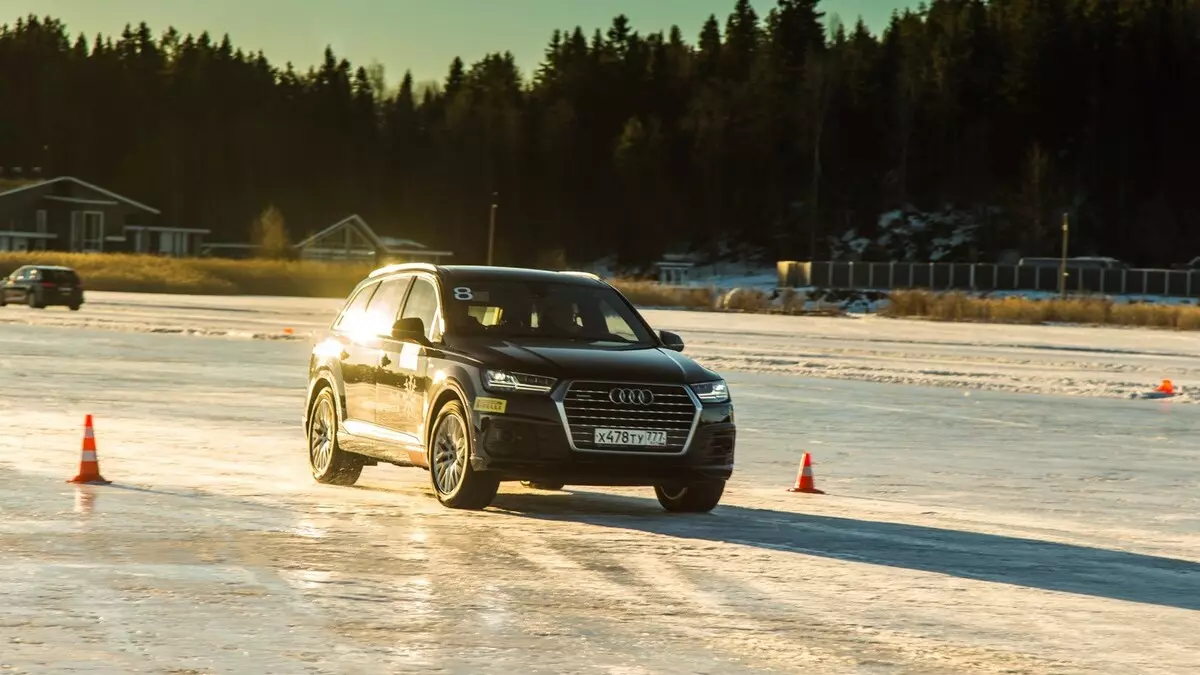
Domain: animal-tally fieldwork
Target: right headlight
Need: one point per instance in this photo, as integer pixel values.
(712, 392)
(500, 380)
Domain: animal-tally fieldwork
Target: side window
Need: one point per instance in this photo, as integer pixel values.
(354, 313)
(422, 304)
(385, 305)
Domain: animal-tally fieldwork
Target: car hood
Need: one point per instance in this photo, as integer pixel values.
(564, 360)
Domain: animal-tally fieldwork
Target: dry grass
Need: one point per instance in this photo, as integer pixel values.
(215, 276)
(1094, 311)
(653, 294)
(745, 300)
(203, 276)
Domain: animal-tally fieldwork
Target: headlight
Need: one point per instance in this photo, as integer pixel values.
(499, 380)
(712, 392)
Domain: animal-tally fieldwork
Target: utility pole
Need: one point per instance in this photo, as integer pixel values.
(1062, 270)
(492, 227)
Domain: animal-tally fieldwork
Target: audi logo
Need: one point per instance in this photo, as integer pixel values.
(631, 396)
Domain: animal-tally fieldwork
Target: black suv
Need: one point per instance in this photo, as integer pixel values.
(40, 286)
(490, 374)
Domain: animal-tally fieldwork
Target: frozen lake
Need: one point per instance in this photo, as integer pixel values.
(965, 530)
(1080, 361)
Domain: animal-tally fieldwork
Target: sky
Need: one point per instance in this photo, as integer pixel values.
(423, 36)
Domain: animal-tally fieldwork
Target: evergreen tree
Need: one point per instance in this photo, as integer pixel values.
(769, 132)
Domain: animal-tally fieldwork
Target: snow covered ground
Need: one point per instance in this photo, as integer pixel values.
(969, 528)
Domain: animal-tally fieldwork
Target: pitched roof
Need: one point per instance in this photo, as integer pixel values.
(362, 227)
(85, 184)
(385, 244)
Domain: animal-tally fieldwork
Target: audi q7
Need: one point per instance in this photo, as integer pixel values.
(487, 374)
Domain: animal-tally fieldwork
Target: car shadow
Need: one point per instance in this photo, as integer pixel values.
(1030, 563)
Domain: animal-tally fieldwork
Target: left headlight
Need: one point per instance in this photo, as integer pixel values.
(500, 380)
(712, 392)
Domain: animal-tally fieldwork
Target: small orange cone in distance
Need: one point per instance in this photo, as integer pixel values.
(1167, 387)
(804, 479)
(89, 465)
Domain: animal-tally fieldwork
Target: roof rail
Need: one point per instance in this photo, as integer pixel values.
(401, 267)
(575, 273)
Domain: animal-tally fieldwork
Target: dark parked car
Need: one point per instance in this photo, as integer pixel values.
(41, 286)
(488, 374)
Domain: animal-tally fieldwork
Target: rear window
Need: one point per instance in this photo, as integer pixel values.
(59, 276)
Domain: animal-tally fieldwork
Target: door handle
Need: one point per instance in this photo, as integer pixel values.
(384, 361)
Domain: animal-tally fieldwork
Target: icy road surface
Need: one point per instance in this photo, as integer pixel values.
(1083, 361)
(983, 533)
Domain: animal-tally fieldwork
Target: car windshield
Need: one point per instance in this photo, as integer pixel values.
(541, 310)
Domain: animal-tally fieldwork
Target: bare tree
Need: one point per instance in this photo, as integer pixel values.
(270, 234)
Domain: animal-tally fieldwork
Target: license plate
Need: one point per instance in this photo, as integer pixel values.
(629, 437)
(66, 290)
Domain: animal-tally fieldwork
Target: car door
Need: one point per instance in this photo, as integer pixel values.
(358, 362)
(404, 377)
(390, 382)
(17, 289)
(367, 337)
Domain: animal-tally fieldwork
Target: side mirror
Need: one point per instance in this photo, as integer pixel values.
(410, 330)
(670, 340)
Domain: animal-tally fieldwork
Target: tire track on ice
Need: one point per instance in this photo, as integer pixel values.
(660, 595)
(446, 599)
(767, 630)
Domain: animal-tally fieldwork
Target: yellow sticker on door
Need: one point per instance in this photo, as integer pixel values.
(491, 405)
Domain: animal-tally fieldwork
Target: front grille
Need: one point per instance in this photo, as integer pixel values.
(588, 407)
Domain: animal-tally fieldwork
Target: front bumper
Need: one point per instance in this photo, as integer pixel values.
(528, 441)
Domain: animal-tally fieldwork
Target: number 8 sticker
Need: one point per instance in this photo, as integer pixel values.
(463, 293)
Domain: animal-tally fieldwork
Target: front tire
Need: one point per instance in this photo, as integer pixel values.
(691, 498)
(456, 484)
(329, 463)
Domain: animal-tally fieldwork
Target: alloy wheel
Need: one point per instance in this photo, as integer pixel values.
(450, 453)
(320, 444)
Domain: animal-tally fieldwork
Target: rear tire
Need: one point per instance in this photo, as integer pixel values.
(455, 483)
(73, 308)
(33, 301)
(691, 498)
(329, 463)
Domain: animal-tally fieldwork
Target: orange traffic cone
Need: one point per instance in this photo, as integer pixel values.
(804, 478)
(89, 466)
(1167, 387)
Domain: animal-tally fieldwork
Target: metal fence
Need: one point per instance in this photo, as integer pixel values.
(986, 277)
